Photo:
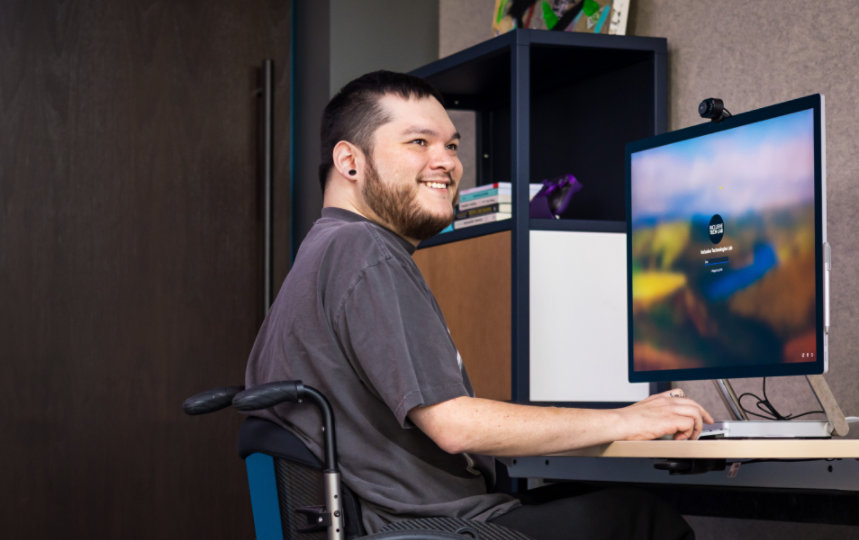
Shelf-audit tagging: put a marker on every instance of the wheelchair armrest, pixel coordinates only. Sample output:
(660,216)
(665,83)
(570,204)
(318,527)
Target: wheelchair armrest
(211,400)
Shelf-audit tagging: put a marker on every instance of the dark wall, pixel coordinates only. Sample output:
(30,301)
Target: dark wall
(311,91)
(130,258)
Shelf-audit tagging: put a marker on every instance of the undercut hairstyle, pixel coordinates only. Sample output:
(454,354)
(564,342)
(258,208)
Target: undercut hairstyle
(354,114)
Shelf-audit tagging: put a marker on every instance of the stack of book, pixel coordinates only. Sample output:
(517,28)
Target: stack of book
(487,203)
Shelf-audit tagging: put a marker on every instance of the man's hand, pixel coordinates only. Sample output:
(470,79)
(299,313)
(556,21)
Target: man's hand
(668,413)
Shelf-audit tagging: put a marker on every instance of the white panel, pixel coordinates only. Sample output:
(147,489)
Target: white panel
(578,318)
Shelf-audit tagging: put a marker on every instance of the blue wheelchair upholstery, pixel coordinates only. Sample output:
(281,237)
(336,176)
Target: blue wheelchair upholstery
(264,497)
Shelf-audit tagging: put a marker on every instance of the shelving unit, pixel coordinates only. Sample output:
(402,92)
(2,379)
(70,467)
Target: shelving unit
(546,104)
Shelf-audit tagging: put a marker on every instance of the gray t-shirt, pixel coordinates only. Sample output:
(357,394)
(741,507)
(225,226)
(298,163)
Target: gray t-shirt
(356,320)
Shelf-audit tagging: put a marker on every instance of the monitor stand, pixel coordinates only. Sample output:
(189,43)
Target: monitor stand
(742,427)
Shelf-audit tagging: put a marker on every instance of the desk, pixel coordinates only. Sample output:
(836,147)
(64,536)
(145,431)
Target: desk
(728,449)
(809,480)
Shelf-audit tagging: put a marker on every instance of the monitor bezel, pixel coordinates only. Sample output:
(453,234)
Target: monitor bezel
(820,365)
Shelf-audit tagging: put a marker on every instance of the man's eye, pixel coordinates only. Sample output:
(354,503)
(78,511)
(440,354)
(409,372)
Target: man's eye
(453,146)
(421,142)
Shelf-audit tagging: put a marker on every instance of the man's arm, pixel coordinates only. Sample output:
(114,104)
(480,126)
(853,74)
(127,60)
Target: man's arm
(496,428)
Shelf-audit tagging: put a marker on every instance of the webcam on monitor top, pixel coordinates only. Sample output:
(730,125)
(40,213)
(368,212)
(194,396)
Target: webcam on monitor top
(714,109)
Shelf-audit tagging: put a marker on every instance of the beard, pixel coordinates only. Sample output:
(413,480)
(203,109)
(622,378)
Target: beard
(398,206)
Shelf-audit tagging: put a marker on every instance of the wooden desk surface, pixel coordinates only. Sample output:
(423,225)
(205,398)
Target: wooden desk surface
(803,464)
(727,449)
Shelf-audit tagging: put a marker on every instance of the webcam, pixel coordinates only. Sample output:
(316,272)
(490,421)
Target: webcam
(714,109)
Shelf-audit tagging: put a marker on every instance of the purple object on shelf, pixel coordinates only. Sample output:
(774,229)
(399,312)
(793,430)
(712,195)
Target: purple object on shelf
(553,200)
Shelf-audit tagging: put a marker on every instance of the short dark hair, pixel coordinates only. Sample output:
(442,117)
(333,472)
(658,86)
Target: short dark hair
(354,114)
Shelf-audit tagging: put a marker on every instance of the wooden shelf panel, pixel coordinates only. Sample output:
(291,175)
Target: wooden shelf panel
(471,281)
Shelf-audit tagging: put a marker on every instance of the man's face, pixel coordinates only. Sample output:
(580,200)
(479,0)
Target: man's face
(413,174)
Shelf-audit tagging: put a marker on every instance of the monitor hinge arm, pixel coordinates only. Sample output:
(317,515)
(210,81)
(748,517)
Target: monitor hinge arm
(830,406)
(729,397)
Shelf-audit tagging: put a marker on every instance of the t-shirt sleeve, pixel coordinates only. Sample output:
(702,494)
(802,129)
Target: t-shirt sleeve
(394,337)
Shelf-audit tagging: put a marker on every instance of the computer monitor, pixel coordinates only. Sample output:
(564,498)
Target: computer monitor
(727,261)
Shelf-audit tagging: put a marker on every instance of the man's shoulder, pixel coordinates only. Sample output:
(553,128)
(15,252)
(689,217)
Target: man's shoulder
(351,234)
(350,245)
(336,256)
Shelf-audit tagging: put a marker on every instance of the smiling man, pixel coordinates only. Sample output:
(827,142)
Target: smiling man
(356,320)
(409,168)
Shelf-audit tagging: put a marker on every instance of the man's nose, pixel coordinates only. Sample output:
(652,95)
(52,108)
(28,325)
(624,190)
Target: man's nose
(444,159)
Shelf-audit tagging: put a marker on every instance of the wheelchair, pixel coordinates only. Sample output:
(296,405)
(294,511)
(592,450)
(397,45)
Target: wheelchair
(294,496)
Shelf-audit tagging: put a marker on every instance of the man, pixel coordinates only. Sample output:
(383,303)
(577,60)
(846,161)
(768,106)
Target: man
(355,319)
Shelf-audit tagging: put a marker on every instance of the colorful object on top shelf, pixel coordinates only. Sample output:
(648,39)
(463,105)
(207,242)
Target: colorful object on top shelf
(591,16)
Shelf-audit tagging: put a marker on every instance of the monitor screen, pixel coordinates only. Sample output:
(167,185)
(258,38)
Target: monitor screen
(726,255)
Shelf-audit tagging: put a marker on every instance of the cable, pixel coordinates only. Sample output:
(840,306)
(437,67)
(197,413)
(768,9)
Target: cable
(767,408)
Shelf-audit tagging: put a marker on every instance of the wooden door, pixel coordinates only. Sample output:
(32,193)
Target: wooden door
(130,259)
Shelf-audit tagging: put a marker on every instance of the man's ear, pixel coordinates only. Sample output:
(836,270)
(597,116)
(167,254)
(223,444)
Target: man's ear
(348,160)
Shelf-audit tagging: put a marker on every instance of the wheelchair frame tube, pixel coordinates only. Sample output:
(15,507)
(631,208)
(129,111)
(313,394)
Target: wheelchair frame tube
(328,426)
(331,473)
(333,503)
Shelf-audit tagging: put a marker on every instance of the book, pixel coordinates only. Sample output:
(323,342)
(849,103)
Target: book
(488,193)
(504,198)
(478,220)
(487,190)
(492,190)
(472,211)
(447,229)
(485,187)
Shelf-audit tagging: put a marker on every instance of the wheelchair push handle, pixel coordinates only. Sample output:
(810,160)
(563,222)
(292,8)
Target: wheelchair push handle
(268,395)
(211,400)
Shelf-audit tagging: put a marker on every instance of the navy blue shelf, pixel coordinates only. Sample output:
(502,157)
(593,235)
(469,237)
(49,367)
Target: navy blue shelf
(574,225)
(551,103)
(578,225)
(469,232)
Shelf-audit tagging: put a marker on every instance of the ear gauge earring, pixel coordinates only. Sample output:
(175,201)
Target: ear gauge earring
(352,172)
